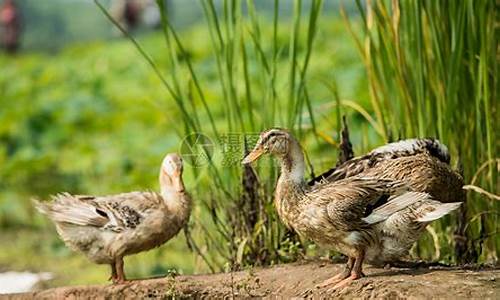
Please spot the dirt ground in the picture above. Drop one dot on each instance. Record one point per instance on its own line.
(298, 280)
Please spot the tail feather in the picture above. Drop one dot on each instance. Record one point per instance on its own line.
(67, 209)
(395, 204)
(440, 211)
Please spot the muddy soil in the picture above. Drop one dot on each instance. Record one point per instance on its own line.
(298, 280)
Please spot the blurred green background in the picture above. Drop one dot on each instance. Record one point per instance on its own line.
(82, 111)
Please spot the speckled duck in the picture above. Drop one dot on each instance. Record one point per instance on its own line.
(347, 214)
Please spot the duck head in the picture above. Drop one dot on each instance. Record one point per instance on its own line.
(281, 144)
(274, 141)
(171, 174)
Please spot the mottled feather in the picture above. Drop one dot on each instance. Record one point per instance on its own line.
(378, 157)
(106, 228)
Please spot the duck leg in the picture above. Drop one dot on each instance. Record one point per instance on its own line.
(113, 273)
(341, 276)
(356, 273)
(120, 274)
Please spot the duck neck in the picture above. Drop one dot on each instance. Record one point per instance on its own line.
(292, 166)
(291, 184)
(174, 195)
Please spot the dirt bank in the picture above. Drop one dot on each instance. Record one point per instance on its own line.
(298, 280)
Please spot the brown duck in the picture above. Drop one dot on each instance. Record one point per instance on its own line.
(107, 228)
(424, 165)
(346, 214)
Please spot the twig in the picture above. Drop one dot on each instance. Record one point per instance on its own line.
(481, 191)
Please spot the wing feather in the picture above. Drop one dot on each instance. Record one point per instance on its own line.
(348, 199)
(115, 213)
(394, 150)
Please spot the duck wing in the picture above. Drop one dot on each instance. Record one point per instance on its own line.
(394, 150)
(358, 202)
(347, 169)
(115, 213)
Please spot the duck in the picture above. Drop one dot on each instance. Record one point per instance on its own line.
(108, 228)
(424, 165)
(344, 215)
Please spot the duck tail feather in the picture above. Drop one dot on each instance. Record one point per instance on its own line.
(66, 209)
(440, 210)
(41, 207)
(394, 204)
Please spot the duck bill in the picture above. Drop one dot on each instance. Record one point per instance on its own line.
(252, 156)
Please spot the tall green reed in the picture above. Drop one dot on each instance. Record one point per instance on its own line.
(432, 71)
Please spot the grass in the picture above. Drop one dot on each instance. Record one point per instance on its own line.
(96, 119)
